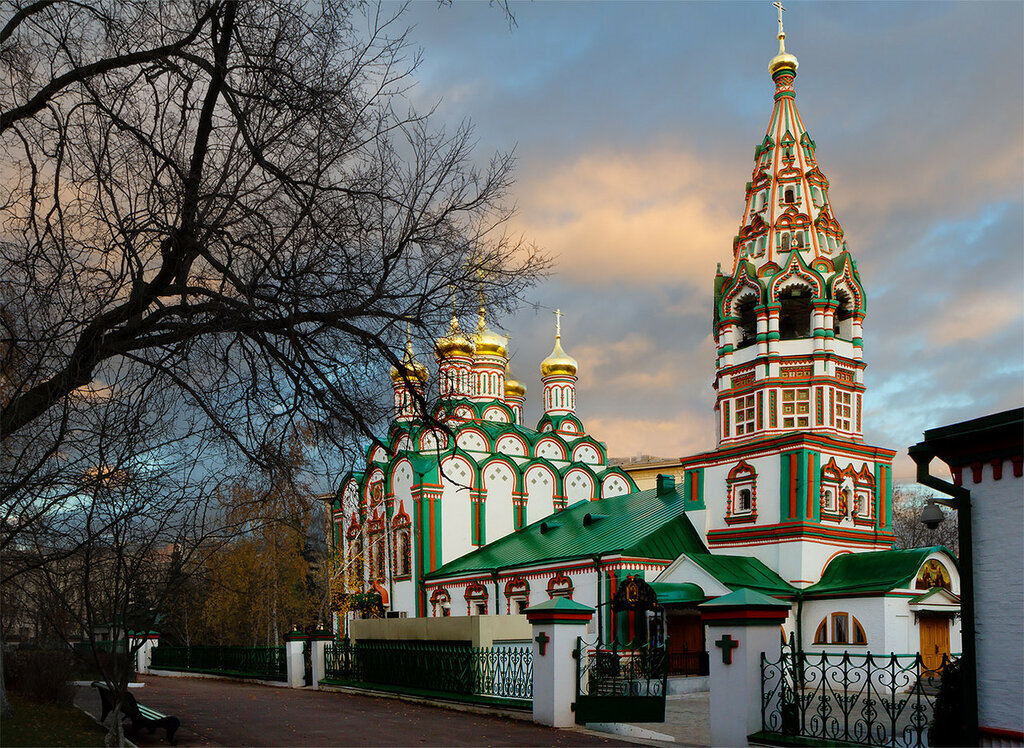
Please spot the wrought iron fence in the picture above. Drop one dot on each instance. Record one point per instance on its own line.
(877, 700)
(621, 670)
(504, 673)
(266, 663)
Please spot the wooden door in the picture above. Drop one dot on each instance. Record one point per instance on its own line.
(934, 640)
(685, 641)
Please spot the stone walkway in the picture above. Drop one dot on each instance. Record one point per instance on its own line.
(229, 713)
(686, 720)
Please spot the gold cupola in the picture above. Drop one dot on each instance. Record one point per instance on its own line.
(783, 60)
(413, 370)
(455, 342)
(513, 387)
(559, 362)
(487, 341)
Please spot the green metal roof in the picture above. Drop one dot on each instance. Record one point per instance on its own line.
(640, 524)
(875, 572)
(678, 592)
(739, 572)
(745, 598)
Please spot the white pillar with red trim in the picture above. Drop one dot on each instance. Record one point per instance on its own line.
(740, 627)
(556, 625)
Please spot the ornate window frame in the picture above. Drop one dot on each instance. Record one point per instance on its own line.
(476, 596)
(741, 484)
(560, 586)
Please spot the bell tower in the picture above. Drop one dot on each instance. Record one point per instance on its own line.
(788, 318)
(791, 481)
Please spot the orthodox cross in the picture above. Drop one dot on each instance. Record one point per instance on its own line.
(542, 639)
(781, 9)
(558, 323)
(728, 644)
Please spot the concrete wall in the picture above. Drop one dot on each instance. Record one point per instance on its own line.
(482, 631)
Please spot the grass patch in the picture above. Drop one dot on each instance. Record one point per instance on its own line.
(35, 724)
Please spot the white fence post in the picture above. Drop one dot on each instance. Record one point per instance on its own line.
(556, 625)
(293, 643)
(319, 641)
(740, 626)
(144, 654)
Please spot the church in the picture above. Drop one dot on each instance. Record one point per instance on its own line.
(791, 502)
(428, 496)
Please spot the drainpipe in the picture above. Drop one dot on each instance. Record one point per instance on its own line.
(961, 502)
(497, 599)
(600, 613)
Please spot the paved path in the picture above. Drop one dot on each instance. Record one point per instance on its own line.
(228, 713)
(686, 720)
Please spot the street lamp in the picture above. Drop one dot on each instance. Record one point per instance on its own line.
(932, 516)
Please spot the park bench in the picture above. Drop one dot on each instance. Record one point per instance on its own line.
(140, 716)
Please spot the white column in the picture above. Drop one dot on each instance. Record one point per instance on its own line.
(740, 626)
(556, 625)
(293, 642)
(318, 660)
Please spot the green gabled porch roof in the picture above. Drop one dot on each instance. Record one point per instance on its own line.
(640, 524)
(743, 572)
(875, 572)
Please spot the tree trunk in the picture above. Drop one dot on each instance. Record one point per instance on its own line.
(5, 707)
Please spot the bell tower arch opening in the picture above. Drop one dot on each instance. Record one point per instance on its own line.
(795, 312)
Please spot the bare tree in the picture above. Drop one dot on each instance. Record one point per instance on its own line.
(907, 504)
(217, 219)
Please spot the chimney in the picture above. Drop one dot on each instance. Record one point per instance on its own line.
(666, 485)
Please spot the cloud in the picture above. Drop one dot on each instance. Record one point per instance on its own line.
(636, 217)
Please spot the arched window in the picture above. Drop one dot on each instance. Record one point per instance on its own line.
(743, 504)
(795, 315)
(790, 195)
(842, 319)
(844, 629)
(785, 242)
(747, 325)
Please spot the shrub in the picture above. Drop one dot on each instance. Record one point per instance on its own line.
(947, 724)
(40, 674)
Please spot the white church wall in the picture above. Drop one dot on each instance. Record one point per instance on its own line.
(499, 482)
(540, 486)
(456, 513)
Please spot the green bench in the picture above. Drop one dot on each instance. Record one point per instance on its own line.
(140, 716)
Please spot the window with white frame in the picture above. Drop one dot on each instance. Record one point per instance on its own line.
(744, 415)
(843, 410)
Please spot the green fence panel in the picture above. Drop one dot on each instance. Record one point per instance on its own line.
(502, 673)
(266, 663)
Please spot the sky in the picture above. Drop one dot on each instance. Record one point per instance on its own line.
(634, 126)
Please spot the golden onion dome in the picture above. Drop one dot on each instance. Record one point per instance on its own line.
(413, 369)
(455, 343)
(487, 341)
(559, 362)
(513, 387)
(783, 60)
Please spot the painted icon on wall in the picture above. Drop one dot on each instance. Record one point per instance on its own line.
(932, 574)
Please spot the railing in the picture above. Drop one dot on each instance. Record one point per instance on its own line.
(265, 663)
(688, 663)
(501, 673)
(877, 700)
